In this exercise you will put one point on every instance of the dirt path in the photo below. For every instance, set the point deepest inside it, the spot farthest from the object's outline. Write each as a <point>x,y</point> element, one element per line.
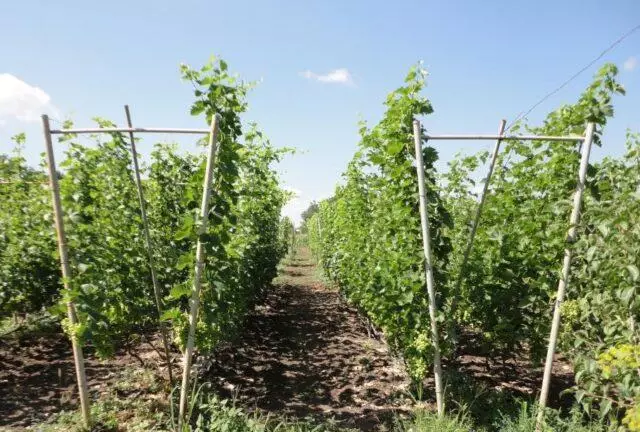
<point>304,353</point>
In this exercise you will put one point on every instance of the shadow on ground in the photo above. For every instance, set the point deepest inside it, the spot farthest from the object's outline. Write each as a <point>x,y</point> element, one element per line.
<point>37,375</point>
<point>304,353</point>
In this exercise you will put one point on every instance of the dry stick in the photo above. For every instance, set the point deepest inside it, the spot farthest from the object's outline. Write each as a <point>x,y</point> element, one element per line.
<point>566,267</point>
<point>476,220</point>
<point>147,237</point>
<point>78,357</point>
<point>293,240</point>
<point>428,268</point>
<point>199,269</point>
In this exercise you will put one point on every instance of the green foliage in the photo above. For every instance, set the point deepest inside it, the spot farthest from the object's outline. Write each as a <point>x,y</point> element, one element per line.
<point>168,192</point>
<point>287,235</point>
<point>426,421</point>
<point>222,415</point>
<point>525,421</point>
<point>111,284</point>
<point>307,213</point>
<point>512,273</point>
<point>367,238</point>
<point>29,274</point>
<point>242,240</point>
<point>368,235</point>
<point>601,333</point>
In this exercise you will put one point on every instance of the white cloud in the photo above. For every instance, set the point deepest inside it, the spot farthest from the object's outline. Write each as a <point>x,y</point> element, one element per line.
<point>337,76</point>
<point>21,101</point>
<point>630,64</point>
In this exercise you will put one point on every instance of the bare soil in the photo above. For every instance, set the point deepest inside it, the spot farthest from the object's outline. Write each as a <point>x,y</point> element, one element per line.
<point>303,353</point>
<point>37,375</point>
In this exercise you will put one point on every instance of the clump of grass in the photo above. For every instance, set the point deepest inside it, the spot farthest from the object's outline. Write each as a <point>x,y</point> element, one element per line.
<point>136,402</point>
<point>113,414</point>
<point>525,421</point>
<point>217,415</point>
<point>426,421</point>
<point>209,413</point>
<point>33,324</point>
<point>481,403</point>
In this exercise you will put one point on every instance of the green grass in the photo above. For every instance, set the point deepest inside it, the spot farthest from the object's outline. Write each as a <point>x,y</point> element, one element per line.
<point>136,402</point>
<point>425,421</point>
<point>217,415</point>
<point>574,421</point>
<point>30,325</point>
<point>212,414</point>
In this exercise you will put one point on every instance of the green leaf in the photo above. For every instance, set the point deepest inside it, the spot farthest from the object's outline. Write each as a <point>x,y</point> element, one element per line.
<point>605,407</point>
<point>634,272</point>
<point>395,147</point>
<point>171,314</point>
<point>186,229</point>
<point>405,298</point>
<point>184,261</point>
<point>627,294</point>
<point>178,291</point>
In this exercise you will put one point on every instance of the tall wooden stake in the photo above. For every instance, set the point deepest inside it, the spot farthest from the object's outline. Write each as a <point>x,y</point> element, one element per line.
<point>566,268</point>
<point>199,269</point>
<point>78,357</point>
<point>476,219</point>
<point>428,266</point>
<point>147,236</point>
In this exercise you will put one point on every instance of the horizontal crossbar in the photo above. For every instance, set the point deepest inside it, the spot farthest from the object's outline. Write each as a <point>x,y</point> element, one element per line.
<point>134,130</point>
<point>506,137</point>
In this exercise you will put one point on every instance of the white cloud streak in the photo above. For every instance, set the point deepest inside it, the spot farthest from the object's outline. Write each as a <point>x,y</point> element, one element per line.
<point>337,76</point>
<point>630,64</point>
<point>21,101</point>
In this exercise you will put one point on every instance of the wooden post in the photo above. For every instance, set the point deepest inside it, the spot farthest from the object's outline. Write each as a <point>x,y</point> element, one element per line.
<point>476,220</point>
<point>147,237</point>
<point>566,267</point>
<point>293,240</point>
<point>428,266</point>
<point>199,268</point>
<point>78,356</point>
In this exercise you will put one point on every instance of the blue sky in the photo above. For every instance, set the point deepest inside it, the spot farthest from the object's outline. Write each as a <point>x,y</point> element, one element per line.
<point>487,60</point>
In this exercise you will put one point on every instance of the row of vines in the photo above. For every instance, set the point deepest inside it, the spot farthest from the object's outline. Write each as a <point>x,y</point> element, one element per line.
<point>367,238</point>
<point>111,284</point>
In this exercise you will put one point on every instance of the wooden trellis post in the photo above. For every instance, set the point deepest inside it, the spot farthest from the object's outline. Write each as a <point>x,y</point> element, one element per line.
<point>147,237</point>
<point>199,269</point>
<point>78,357</point>
<point>59,224</point>
<point>566,268</point>
<point>428,266</point>
<point>476,219</point>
